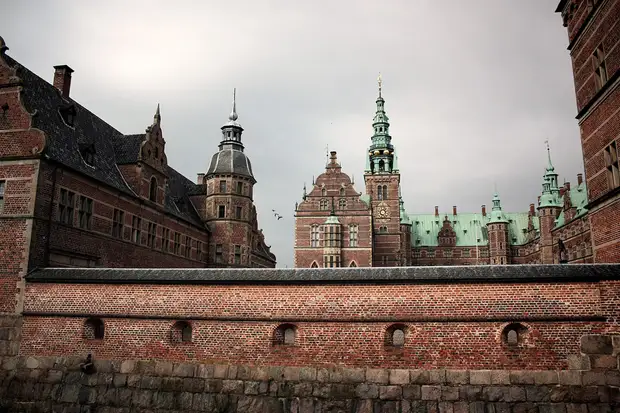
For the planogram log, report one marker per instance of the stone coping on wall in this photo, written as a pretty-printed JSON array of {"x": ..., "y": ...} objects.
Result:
[{"x": 447, "y": 274}]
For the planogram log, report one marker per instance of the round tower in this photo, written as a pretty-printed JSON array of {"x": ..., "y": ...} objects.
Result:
[
  {"x": 497, "y": 228},
  {"x": 549, "y": 207},
  {"x": 230, "y": 184}
]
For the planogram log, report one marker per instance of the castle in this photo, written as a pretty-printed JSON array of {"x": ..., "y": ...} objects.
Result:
[{"x": 336, "y": 226}]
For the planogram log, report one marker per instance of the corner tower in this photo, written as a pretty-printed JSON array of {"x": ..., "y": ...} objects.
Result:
[
  {"x": 497, "y": 228},
  {"x": 382, "y": 183},
  {"x": 549, "y": 208},
  {"x": 229, "y": 210}
]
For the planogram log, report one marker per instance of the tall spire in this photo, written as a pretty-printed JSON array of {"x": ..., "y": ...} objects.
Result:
[
  {"x": 551, "y": 191},
  {"x": 381, "y": 152},
  {"x": 380, "y": 82},
  {"x": 157, "y": 116},
  {"x": 233, "y": 114}
]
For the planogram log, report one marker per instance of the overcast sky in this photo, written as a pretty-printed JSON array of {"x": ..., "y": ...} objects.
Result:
[{"x": 472, "y": 88}]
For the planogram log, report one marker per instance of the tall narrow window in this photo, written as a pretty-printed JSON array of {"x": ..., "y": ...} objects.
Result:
[
  {"x": 188, "y": 246},
  {"x": 153, "y": 190},
  {"x": 136, "y": 224},
  {"x": 379, "y": 192},
  {"x": 2, "y": 187},
  {"x": 221, "y": 211},
  {"x": 165, "y": 239},
  {"x": 222, "y": 187},
  {"x": 600, "y": 68},
  {"x": 66, "y": 206},
  {"x": 199, "y": 252},
  {"x": 240, "y": 188},
  {"x": 385, "y": 193},
  {"x": 152, "y": 233},
  {"x": 314, "y": 236},
  {"x": 323, "y": 192},
  {"x": 117, "y": 223},
  {"x": 177, "y": 243},
  {"x": 611, "y": 162},
  {"x": 238, "y": 212},
  {"x": 353, "y": 231},
  {"x": 219, "y": 255},
  {"x": 341, "y": 191},
  {"x": 85, "y": 212},
  {"x": 237, "y": 255}
]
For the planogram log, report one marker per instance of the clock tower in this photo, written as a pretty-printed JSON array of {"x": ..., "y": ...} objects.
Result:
[{"x": 382, "y": 185}]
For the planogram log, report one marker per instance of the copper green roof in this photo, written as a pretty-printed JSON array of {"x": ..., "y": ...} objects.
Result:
[
  {"x": 578, "y": 199},
  {"x": 470, "y": 228},
  {"x": 497, "y": 215}
]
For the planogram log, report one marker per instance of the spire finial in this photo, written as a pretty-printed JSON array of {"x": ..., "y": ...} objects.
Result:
[
  {"x": 380, "y": 82},
  {"x": 233, "y": 114},
  {"x": 157, "y": 114},
  {"x": 3, "y": 46}
]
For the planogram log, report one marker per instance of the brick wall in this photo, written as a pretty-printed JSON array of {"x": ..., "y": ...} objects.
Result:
[
  {"x": 64, "y": 384},
  {"x": 445, "y": 325}
]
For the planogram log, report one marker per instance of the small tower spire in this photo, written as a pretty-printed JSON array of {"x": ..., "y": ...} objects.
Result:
[
  {"x": 157, "y": 116},
  {"x": 233, "y": 114},
  {"x": 380, "y": 82}
]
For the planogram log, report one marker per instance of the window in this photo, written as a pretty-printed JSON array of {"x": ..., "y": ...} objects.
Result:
[
  {"x": 222, "y": 187},
  {"x": 447, "y": 253},
  {"x": 333, "y": 236},
  {"x": 66, "y": 205},
  {"x": 323, "y": 205},
  {"x": 383, "y": 229},
  {"x": 88, "y": 154},
  {"x": 611, "y": 162},
  {"x": 285, "y": 335},
  {"x": 314, "y": 236},
  {"x": 238, "y": 212},
  {"x": 153, "y": 190},
  {"x": 395, "y": 335},
  {"x": 430, "y": 253},
  {"x": 353, "y": 231},
  {"x": 600, "y": 68},
  {"x": 181, "y": 332},
  {"x": 165, "y": 239},
  {"x": 94, "y": 329},
  {"x": 323, "y": 192},
  {"x": 331, "y": 261},
  {"x": 514, "y": 334},
  {"x": 353, "y": 264},
  {"x": 221, "y": 211},
  {"x": 384, "y": 260},
  {"x": 2, "y": 188},
  {"x": 341, "y": 191},
  {"x": 466, "y": 253},
  {"x": 188, "y": 247},
  {"x": 151, "y": 235},
  {"x": 177, "y": 243},
  {"x": 85, "y": 212},
  {"x": 219, "y": 255},
  {"x": 237, "y": 255},
  {"x": 379, "y": 192},
  {"x": 117, "y": 223},
  {"x": 385, "y": 194},
  {"x": 199, "y": 252},
  {"x": 136, "y": 223},
  {"x": 240, "y": 188},
  {"x": 342, "y": 203},
  {"x": 314, "y": 265}
]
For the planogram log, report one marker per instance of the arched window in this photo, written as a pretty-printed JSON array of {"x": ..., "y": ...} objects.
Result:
[
  {"x": 314, "y": 265},
  {"x": 379, "y": 193},
  {"x": 94, "y": 329},
  {"x": 341, "y": 191},
  {"x": 514, "y": 334},
  {"x": 383, "y": 229},
  {"x": 323, "y": 192},
  {"x": 385, "y": 195},
  {"x": 353, "y": 264},
  {"x": 381, "y": 166},
  {"x": 395, "y": 335},
  {"x": 285, "y": 335},
  {"x": 153, "y": 189},
  {"x": 181, "y": 332}
]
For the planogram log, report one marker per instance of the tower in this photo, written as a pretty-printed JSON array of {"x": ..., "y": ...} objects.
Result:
[
  {"x": 497, "y": 228},
  {"x": 382, "y": 183},
  {"x": 229, "y": 212},
  {"x": 549, "y": 208}
]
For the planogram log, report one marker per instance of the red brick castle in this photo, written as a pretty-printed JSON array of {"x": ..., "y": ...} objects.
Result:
[{"x": 76, "y": 192}]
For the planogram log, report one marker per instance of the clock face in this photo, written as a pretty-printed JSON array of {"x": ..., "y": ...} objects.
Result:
[{"x": 383, "y": 212}]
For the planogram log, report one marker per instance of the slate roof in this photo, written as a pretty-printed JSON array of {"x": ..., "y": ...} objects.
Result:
[
  {"x": 230, "y": 161},
  {"x": 111, "y": 146},
  {"x": 399, "y": 275}
]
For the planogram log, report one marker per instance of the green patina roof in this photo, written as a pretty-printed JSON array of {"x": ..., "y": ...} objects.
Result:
[
  {"x": 332, "y": 219},
  {"x": 365, "y": 198},
  {"x": 579, "y": 200},
  {"x": 551, "y": 192},
  {"x": 470, "y": 228},
  {"x": 497, "y": 215}
]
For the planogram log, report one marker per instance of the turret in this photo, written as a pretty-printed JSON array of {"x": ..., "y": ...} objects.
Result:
[
  {"x": 497, "y": 228},
  {"x": 549, "y": 207}
]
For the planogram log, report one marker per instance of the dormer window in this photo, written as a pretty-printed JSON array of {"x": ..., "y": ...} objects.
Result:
[
  {"x": 67, "y": 114},
  {"x": 88, "y": 154}
]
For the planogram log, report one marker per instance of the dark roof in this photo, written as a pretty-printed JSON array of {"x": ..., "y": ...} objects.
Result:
[
  {"x": 230, "y": 161},
  {"x": 399, "y": 275},
  {"x": 560, "y": 7},
  {"x": 111, "y": 147}
]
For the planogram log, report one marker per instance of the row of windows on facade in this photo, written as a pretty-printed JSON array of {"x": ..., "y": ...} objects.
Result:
[
  {"x": 239, "y": 257},
  {"x": 448, "y": 253},
  {"x": 332, "y": 235},
  {"x": 66, "y": 213},
  {"x": 286, "y": 334},
  {"x": 221, "y": 212},
  {"x": 240, "y": 188}
]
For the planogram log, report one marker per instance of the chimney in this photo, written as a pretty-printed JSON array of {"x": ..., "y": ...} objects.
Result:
[
  {"x": 62, "y": 79},
  {"x": 532, "y": 210},
  {"x": 562, "y": 191},
  {"x": 436, "y": 211},
  {"x": 201, "y": 179},
  {"x": 454, "y": 210},
  {"x": 567, "y": 185},
  {"x": 484, "y": 210},
  {"x": 538, "y": 199},
  {"x": 579, "y": 179}
]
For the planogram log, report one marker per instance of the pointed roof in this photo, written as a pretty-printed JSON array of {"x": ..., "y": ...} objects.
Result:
[
  {"x": 497, "y": 215},
  {"x": 550, "y": 196}
]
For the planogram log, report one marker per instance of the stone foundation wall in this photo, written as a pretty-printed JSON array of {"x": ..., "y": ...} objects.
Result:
[{"x": 45, "y": 384}]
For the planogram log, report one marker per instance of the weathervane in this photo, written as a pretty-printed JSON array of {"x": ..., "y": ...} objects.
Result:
[
  {"x": 327, "y": 153},
  {"x": 380, "y": 82}
]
